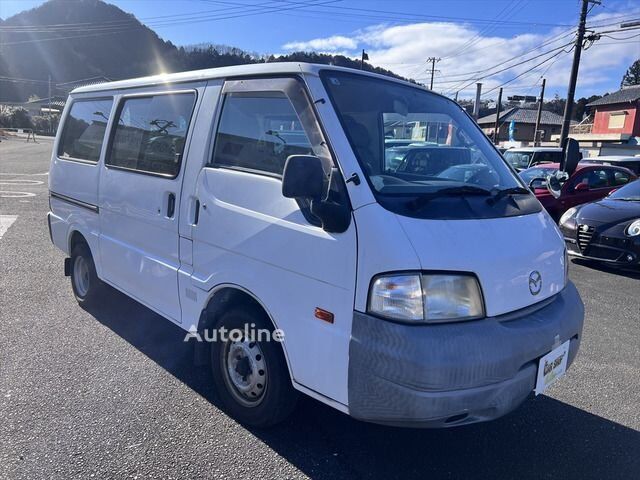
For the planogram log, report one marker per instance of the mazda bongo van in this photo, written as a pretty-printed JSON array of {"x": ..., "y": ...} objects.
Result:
[{"x": 428, "y": 292}]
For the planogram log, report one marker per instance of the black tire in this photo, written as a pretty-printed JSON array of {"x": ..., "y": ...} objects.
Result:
[
  {"x": 86, "y": 285},
  {"x": 277, "y": 399}
]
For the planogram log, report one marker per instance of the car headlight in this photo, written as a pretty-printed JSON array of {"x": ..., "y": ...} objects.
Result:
[
  {"x": 568, "y": 215},
  {"x": 633, "y": 230},
  {"x": 426, "y": 298}
]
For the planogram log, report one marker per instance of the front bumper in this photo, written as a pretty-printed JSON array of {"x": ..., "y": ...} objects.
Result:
[
  {"x": 602, "y": 243},
  {"x": 456, "y": 373}
]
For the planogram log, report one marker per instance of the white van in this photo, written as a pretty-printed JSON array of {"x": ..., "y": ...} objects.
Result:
[{"x": 259, "y": 195}]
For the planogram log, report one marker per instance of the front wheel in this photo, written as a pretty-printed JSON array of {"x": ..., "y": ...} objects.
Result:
[
  {"x": 250, "y": 373},
  {"x": 84, "y": 280}
]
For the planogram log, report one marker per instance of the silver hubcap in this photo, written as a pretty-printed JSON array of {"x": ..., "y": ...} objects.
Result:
[
  {"x": 81, "y": 275},
  {"x": 245, "y": 371}
]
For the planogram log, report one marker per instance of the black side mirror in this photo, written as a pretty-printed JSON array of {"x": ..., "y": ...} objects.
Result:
[
  {"x": 303, "y": 177},
  {"x": 570, "y": 156}
]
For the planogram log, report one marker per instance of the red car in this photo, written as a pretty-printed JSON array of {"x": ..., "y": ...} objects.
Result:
[{"x": 588, "y": 183}]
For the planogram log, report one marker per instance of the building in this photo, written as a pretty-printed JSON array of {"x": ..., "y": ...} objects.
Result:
[
  {"x": 613, "y": 124},
  {"x": 525, "y": 124}
]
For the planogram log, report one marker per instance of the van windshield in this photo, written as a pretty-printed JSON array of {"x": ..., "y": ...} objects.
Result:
[{"x": 422, "y": 154}]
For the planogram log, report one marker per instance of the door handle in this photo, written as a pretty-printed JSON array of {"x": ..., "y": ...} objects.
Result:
[
  {"x": 196, "y": 212},
  {"x": 171, "y": 205}
]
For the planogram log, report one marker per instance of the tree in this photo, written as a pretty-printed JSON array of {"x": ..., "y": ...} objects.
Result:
[
  {"x": 632, "y": 76},
  {"x": 20, "y": 118},
  {"x": 580, "y": 107}
]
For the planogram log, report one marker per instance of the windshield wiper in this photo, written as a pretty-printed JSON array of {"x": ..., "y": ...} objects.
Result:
[
  {"x": 628, "y": 199},
  {"x": 500, "y": 194},
  {"x": 425, "y": 198}
]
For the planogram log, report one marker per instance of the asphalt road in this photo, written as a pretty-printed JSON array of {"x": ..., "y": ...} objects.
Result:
[{"x": 112, "y": 392}]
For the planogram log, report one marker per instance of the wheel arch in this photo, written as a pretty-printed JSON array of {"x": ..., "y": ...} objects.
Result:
[{"x": 228, "y": 295}]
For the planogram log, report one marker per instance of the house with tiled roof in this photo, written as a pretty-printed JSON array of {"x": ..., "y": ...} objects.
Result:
[
  {"x": 525, "y": 124},
  {"x": 613, "y": 124}
]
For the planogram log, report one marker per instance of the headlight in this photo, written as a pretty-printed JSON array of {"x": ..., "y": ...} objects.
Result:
[
  {"x": 427, "y": 298},
  {"x": 398, "y": 297},
  {"x": 569, "y": 214},
  {"x": 633, "y": 230}
]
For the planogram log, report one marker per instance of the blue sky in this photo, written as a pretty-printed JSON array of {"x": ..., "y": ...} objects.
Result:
[{"x": 471, "y": 36}]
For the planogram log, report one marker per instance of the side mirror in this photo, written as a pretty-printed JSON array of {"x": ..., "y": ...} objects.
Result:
[
  {"x": 570, "y": 156},
  {"x": 582, "y": 187},
  {"x": 555, "y": 182},
  {"x": 303, "y": 177}
]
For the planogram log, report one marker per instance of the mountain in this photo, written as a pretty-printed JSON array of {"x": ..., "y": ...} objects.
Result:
[
  {"x": 82, "y": 51},
  {"x": 72, "y": 40}
]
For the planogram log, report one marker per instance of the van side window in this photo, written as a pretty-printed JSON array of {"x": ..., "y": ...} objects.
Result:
[
  {"x": 150, "y": 133},
  {"x": 258, "y": 131},
  {"x": 84, "y": 128}
]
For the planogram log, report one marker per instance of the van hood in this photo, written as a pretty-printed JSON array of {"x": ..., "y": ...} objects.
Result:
[{"x": 504, "y": 253}]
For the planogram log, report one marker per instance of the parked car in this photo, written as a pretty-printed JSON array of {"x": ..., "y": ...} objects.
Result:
[
  {"x": 523, "y": 158},
  {"x": 607, "y": 230},
  {"x": 588, "y": 183},
  {"x": 632, "y": 163},
  {"x": 475, "y": 174},
  {"x": 256, "y": 198}
]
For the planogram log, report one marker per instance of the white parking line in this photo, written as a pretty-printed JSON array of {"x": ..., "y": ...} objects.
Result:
[
  {"x": 21, "y": 181},
  {"x": 10, "y": 194},
  {"x": 19, "y": 174},
  {"x": 5, "y": 222}
]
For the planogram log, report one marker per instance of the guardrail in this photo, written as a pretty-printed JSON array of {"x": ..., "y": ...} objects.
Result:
[
  {"x": 581, "y": 129},
  {"x": 31, "y": 134}
]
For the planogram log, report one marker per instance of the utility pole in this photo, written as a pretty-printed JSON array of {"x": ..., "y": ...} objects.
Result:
[
  {"x": 476, "y": 106},
  {"x": 363, "y": 58},
  {"x": 433, "y": 61},
  {"x": 50, "y": 121},
  {"x": 568, "y": 108},
  {"x": 539, "y": 115},
  {"x": 456, "y": 99},
  {"x": 496, "y": 128}
]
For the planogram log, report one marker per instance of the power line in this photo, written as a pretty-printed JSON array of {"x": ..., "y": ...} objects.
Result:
[
  {"x": 516, "y": 57},
  {"x": 487, "y": 29},
  {"x": 467, "y": 83},
  {"x": 118, "y": 29},
  {"x": 525, "y": 73}
]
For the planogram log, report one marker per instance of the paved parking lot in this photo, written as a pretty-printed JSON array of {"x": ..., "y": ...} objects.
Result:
[{"x": 112, "y": 392}]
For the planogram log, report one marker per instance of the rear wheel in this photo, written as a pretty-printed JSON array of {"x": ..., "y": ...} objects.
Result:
[
  {"x": 251, "y": 374},
  {"x": 84, "y": 280}
]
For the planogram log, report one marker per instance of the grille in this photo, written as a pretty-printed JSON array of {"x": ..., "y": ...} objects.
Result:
[{"x": 585, "y": 233}]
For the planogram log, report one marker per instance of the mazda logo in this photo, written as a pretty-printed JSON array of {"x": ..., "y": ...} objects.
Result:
[{"x": 535, "y": 282}]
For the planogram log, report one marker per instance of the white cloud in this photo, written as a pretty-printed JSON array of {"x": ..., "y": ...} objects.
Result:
[
  {"x": 328, "y": 44},
  {"x": 468, "y": 53}
]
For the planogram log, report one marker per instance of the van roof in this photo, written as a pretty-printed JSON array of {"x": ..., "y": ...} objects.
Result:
[
  {"x": 615, "y": 158},
  {"x": 279, "y": 68}
]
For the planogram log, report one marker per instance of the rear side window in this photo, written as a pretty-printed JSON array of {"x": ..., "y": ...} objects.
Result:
[
  {"x": 258, "y": 131},
  {"x": 620, "y": 177},
  {"x": 150, "y": 133},
  {"x": 84, "y": 130}
]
